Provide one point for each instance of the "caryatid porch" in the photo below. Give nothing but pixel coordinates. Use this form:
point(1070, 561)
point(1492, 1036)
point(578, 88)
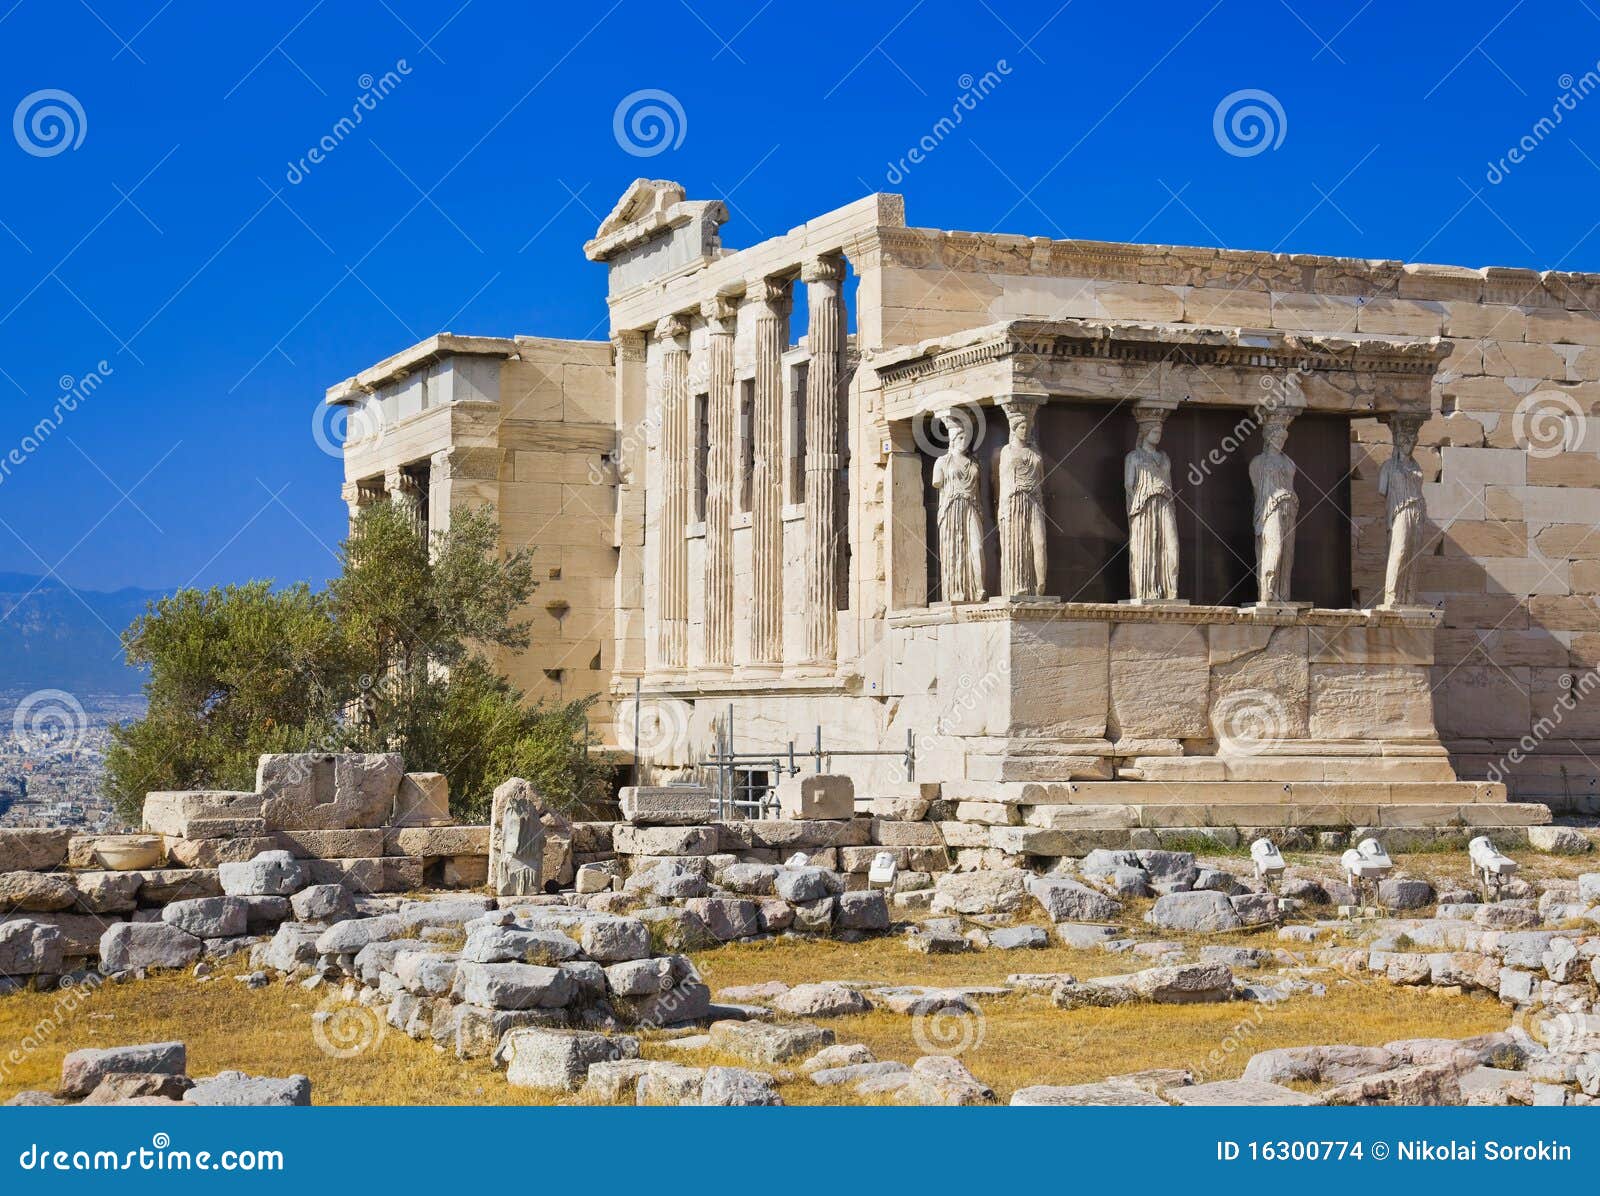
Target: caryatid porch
point(1096, 577)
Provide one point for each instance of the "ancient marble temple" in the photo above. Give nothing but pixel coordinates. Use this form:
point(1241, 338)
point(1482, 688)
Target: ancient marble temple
point(1141, 528)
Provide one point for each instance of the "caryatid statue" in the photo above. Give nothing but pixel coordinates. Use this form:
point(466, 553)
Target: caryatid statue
point(955, 477)
point(1021, 490)
point(1400, 482)
point(1277, 507)
point(1152, 513)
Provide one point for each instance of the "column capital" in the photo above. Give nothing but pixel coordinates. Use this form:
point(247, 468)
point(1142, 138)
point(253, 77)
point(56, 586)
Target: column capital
point(822, 269)
point(1021, 400)
point(768, 292)
point(670, 330)
point(629, 344)
point(721, 313)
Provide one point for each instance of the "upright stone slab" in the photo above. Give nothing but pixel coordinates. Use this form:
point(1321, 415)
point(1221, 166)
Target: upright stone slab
point(516, 840)
point(822, 795)
point(668, 805)
point(304, 791)
point(423, 800)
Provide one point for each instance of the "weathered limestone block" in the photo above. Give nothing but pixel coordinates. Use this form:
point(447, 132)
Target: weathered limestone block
point(665, 840)
point(1160, 678)
point(208, 917)
point(130, 945)
point(1371, 702)
point(820, 795)
point(360, 843)
point(557, 1061)
point(304, 791)
point(209, 812)
point(234, 1089)
point(40, 892)
point(270, 874)
point(209, 853)
point(667, 805)
point(30, 948)
point(513, 986)
point(768, 1044)
point(82, 1071)
point(80, 933)
point(1029, 676)
point(33, 850)
point(434, 841)
point(423, 800)
point(516, 840)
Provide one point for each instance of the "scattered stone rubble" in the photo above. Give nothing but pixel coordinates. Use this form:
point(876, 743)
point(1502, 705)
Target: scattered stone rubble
point(156, 1073)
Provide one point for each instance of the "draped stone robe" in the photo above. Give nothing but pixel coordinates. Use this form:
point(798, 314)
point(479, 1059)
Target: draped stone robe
point(955, 476)
point(1022, 537)
point(1277, 507)
point(1152, 525)
point(1400, 482)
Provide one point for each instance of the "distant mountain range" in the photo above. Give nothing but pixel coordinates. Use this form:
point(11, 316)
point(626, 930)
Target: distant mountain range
point(55, 638)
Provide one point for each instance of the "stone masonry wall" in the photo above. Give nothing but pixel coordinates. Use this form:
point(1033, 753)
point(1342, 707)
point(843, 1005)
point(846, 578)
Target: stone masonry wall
point(1512, 466)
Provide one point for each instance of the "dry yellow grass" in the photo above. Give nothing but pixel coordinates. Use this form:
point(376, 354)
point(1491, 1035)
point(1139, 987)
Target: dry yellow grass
point(1020, 1039)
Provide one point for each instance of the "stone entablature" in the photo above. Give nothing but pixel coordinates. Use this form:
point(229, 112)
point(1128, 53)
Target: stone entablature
point(1121, 360)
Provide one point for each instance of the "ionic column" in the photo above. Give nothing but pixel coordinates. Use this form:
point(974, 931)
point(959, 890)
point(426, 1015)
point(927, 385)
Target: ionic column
point(722, 419)
point(677, 449)
point(825, 337)
point(406, 494)
point(771, 300)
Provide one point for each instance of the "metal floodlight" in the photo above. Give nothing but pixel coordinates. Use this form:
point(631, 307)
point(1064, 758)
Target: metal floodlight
point(1365, 865)
point(1492, 868)
point(882, 873)
point(1268, 859)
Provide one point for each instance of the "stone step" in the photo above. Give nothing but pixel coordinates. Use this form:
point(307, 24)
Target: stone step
point(1220, 793)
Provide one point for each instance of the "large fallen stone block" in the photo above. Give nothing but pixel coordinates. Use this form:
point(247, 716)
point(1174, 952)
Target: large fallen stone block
point(234, 1089)
point(761, 1042)
point(1239, 1093)
point(1065, 900)
point(130, 945)
point(557, 1060)
point(1202, 911)
point(305, 791)
point(200, 813)
point(209, 917)
point(864, 909)
point(667, 805)
point(30, 948)
point(323, 903)
point(476, 1030)
point(270, 874)
point(1084, 1094)
point(820, 795)
point(1181, 984)
point(999, 891)
point(29, 850)
point(514, 986)
point(738, 1087)
point(423, 799)
point(107, 892)
point(293, 947)
point(488, 942)
point(726, 918)
point(615, 940)
point(39, 892)
point(1436, 1084)
point(157, 886)
point(665, 840)
point(82, 1071)
point(1317, 1064)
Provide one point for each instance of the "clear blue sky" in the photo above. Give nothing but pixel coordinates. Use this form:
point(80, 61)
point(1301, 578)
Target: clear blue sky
point(176, 243)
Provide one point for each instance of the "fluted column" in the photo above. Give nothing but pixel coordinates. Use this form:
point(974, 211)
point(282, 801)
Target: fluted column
point(677, 448)
point(722, 422)
point(771, 300)
point(406, 493)
point(825, 334)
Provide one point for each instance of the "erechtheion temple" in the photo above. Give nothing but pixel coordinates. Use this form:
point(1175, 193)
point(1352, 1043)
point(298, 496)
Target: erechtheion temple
point(1150, 533)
